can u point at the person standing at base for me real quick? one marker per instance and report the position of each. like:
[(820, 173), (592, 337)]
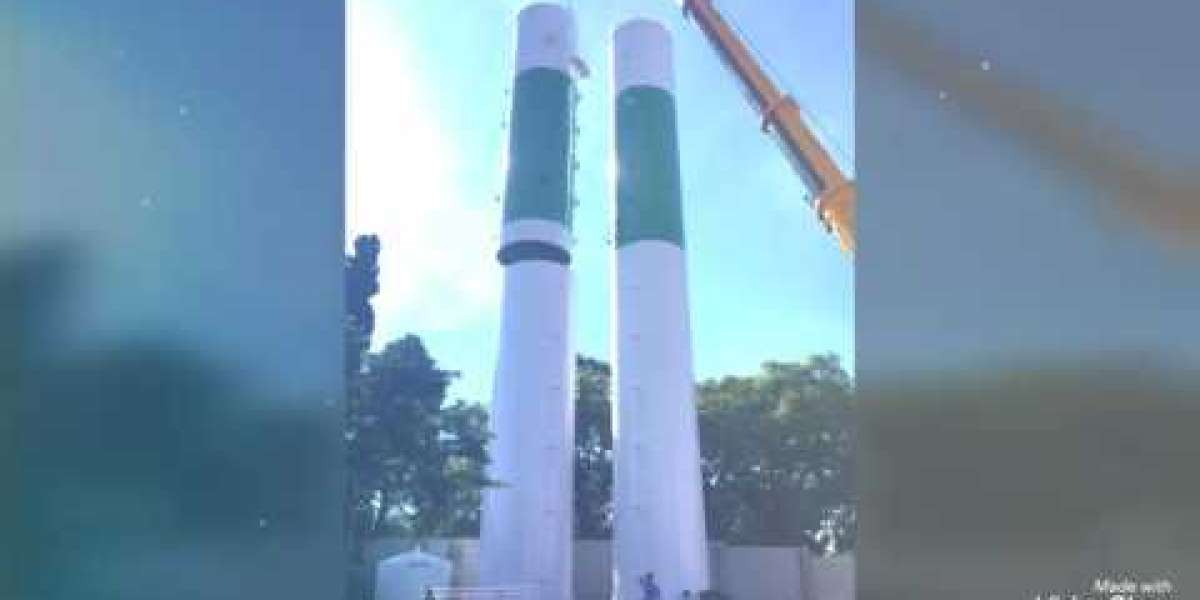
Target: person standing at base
[(650, 589)]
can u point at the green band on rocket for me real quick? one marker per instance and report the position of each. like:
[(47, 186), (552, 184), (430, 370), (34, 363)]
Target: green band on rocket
[(539, 178), (648, 190)]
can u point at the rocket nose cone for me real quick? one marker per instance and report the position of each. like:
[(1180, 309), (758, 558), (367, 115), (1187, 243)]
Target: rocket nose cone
[(642, 55), (641, 28), (546, 36)]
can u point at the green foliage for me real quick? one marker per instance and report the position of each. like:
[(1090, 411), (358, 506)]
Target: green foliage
[(361, 274), (776, 448), (593, 449), (778, 456), (418, 459), (416, 462), (362, 283)]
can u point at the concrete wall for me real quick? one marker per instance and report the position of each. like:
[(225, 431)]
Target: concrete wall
[(593, 570), (760, 573), (742, 572), (830, 577)]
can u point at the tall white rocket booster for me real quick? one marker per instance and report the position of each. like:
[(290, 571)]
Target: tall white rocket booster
[(659, 523), (525, 537)]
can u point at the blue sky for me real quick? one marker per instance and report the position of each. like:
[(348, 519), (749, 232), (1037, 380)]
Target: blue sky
[(427, 100)]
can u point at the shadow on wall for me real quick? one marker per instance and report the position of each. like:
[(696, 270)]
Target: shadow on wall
[(1070, 472), (138, 467)]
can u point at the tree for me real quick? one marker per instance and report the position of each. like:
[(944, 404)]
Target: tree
[(362, 283), (361, 274), (593, 449), (778, 456), (419, 460), (416, 461), (776, 451)]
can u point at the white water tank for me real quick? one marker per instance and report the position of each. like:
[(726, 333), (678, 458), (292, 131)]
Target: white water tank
[(406, 576)]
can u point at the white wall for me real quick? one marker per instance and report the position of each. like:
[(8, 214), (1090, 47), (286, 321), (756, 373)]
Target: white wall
[(830, 577), (742, 572), (761, 573)]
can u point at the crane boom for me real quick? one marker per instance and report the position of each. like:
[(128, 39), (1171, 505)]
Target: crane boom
[(832, 193)]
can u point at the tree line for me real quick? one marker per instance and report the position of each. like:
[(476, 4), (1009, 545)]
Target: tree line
[(776, 446)]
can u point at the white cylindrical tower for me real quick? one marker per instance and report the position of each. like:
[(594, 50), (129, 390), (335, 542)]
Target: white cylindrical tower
[(659, 526), (525, 537)]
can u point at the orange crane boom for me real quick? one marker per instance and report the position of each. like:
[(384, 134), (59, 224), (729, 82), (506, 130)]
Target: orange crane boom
[(833, 195)]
